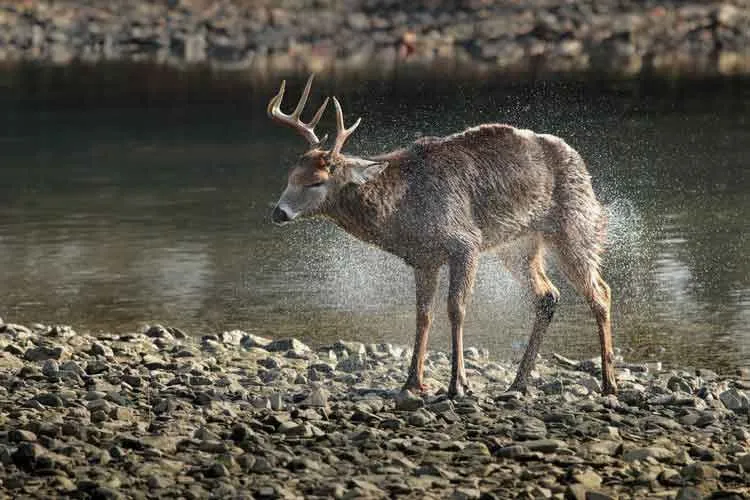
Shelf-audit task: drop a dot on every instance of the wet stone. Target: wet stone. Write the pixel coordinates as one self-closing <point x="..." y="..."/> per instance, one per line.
<point x="42" y="353"/>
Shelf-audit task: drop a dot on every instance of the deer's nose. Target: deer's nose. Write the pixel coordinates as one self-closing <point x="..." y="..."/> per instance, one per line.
<point x="279" y="215"/>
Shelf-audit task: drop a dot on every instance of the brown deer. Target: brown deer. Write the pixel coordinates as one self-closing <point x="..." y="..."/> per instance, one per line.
<point x="444" y="201"/>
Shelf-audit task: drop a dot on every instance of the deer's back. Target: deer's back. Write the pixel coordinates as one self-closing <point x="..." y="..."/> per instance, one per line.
<point x="492" y="183"/>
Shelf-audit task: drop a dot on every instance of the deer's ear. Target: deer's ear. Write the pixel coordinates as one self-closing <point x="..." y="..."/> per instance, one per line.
<point x="362" y="170"/>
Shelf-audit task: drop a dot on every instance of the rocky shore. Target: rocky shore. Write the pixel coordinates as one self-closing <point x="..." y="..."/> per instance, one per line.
<point x="235" y="415"/>
<point x="384" y="37"/>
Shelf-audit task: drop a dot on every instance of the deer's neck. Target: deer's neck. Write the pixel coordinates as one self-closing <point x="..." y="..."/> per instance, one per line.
<point x="367" y="210"/>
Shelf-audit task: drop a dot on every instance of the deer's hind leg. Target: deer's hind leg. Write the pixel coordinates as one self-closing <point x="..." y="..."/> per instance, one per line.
<point x="579" y="259"/>
<point x="462" y="271"/>
<point x="525" y="261"/>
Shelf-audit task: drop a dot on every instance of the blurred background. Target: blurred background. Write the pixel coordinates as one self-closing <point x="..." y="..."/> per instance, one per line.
<point x="139" y="168"/>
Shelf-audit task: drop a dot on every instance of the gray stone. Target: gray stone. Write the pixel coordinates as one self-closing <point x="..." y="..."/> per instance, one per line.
<point x="51" y="368"/>
<point x="463" y="493"/>
<point x="350" y="348"/>
<point x="283" y="345"/>
<point x="588" y="478"/>
<point x="317" y="398"/>
<point x="676" y="383"/>
<point x="514" y="451"/>
<point x="45" y="352"/>
<point x="352" y="364"/>
<point x="735" y="400"/>
<point x="698" y="472"/>
<point x="233" y="337"/>
<point x="250" y="341"/>
<point x="544" y="445"/>
<point x="689" y="493"/>
<point x="294" y="429"/>
<point x="407" y="401"/>
<point x="420" y="418"/>
<point x="50" y="400"/>
<point x="20" y="435"/>
<point x="277" y="401"/>
<point x="100" y="349"/>
<point x="647" y="452"/>
<point x="609" y="448"/>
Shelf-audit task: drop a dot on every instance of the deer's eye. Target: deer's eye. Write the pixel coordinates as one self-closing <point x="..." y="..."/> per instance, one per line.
<point x="315" y="184"/>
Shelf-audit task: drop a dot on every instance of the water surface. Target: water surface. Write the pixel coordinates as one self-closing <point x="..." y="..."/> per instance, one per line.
<point x="115" y="217"/>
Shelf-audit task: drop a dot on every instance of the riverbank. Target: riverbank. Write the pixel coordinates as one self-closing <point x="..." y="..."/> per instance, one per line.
<point x="234" y="415"/>
<point x="383" y="38"/>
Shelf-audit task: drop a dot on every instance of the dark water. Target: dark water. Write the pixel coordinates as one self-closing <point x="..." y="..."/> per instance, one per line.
<point x="111" y="218"/>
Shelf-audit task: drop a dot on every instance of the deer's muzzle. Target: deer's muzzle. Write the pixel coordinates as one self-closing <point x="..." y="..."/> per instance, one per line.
<point x="280" y="216"/>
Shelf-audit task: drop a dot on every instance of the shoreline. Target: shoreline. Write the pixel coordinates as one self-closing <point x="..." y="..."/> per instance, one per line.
<point x="235" y="414"/>
<point x="382" y="38"/>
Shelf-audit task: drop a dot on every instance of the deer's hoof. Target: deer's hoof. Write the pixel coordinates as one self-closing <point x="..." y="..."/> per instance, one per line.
<point x="457" y="390"/>
<point x="415" y="387"/>
<point x="518" y="387"/>
<point x="609" y="387"/>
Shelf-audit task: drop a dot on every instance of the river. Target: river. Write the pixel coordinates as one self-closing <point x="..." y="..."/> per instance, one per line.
<point x="116" y="216"/>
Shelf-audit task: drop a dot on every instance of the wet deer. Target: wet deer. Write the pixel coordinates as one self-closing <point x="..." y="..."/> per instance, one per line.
<point x="445" y="200"/>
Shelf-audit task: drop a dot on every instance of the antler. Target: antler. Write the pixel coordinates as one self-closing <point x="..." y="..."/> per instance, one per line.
<point x="342" y="134"/>
<point x="306" y="130"/>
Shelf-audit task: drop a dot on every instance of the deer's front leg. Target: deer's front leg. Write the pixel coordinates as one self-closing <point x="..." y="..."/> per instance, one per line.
<point x="462" y="272"/>
<point x="426" y="284"/>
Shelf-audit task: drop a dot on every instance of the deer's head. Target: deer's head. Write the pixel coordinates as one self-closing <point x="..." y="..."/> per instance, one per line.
<point x="318" y="175"/>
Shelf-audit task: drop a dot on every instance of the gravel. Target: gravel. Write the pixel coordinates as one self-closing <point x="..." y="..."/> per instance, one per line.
<point x="155" y="414"/>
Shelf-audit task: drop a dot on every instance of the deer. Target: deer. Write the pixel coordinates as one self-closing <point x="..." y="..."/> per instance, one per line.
<point x="444" y="201"/>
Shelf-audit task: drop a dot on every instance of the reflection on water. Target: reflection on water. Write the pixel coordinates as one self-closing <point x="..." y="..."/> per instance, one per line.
<point x="115" y="218"/>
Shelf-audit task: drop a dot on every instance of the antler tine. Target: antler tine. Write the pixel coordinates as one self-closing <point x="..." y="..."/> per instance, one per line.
<point x="342" y="134"/>
<point x="306" y="130"/>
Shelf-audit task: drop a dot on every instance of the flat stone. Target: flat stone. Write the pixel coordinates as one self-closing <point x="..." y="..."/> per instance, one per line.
<point x="101" y="349"/>
<point x="42" y="353"/>
<point x="283" y="345"/>
<point x="689" y="493"/>
<point x="544" y="445"/>
<point x="609" y="448"/>
<point x="462" y="493"/>
<point x="648" y="452"/>
<point x="420" y="418"/>
<point x="408" y="401"/>
<point x="588" y="478"/>
<point x="250" y="340"/>
<point x="20" y="435"/>
<point x="699" y="472"/>
<point x="514" y="451"/>
<point x="318" y="398"/>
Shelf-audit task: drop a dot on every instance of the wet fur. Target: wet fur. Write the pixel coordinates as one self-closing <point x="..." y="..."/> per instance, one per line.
<point x="491" y="187"/>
